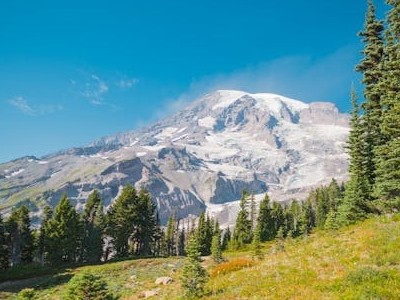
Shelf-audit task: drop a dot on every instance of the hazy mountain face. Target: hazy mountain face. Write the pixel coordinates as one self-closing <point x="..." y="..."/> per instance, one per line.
<point x="203" y="156"/>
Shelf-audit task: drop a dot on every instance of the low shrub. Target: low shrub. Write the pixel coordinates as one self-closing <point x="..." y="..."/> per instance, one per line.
<point x="231" y="266"/>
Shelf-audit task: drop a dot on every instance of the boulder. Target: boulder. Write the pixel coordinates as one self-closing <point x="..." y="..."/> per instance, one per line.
<point x="163" y="280"/>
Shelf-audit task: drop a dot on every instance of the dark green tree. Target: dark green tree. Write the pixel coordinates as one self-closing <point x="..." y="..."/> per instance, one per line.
<point x="89" y="287"/>
<point x="20" y="236"/>
<point x="4" y="250"/>
<point x="371" y="69"/>
<point x="43" y="241"/>
<point x="204" y="233"/>
<point x="216" y="249"/>
<point x="355" y="202"/>
<point x="307" y="218"/>
<point x="265" y="221"/>
<point x="242" y="233"/>
<point x="256" y="244"/>
<point x="226" y="239"/>
<point x="387" y="187"/>
<point x="194" y="276"/>
<point x="146" y="223"/>
<point x="121" y="220"/>
<point x="278" y="217"/>
<point x="94" y="224"/>
<point x="170" y="236"/>
<point x="64" y="233"/>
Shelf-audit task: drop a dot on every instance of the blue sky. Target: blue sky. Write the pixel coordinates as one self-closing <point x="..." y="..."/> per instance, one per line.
<point x="74" y="71"/>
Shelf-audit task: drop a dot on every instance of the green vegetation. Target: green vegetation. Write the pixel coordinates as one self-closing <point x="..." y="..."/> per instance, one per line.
<point x="361" y="261"/>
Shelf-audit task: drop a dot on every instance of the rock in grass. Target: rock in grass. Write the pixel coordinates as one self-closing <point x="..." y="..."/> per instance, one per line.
<point x="164" y="280"/>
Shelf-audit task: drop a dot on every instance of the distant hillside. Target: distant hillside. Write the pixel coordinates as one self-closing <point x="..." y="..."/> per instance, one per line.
<point x="358" y="262"/>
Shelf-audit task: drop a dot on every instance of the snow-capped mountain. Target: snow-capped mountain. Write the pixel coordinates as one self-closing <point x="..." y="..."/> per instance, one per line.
<point x="201" y="157"/>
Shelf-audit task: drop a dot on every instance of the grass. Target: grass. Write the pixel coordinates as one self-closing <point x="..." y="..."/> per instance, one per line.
<point x="358" y="262"/>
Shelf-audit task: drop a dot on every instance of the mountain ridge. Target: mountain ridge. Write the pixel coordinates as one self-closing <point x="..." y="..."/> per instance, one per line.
<point x="201" y="156"/>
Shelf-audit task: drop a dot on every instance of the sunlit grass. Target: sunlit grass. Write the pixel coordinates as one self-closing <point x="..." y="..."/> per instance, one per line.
<point x="358" y="262"/>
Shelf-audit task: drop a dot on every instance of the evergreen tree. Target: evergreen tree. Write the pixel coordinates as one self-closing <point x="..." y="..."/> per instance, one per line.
<point x="278" y="217"/>
<point x="194" y="276"/>
<point x="21" y="238"/>
<point x="256" y="243"/>
<point x="170" y="236"/>
<point x="226" y="239"/>
<point x="371" y="69"/>
<point x="296" y="218"/>
<point x="121" y="220"/>
<point x="387" y="159"/>
<point x="94" y="223"/>
<point x="242" y="233"/>
<point x="89" y="287"/>
<point x="4" y="250"/>
<point x="216" y="249"/>
<point x="331" y="222"/>
<point x="204" y="234"/>
<point x="307" y="218"/>
<point x="64" y="233"/>
<point x="182" y="242"/>
<point x="265" y="221"/>
<point x="43" y="242"/>
<point x="158" y="237"/>
<point x="146" y="223"/>
<point x="335" y="195"/>
<point x="355" y="202"/>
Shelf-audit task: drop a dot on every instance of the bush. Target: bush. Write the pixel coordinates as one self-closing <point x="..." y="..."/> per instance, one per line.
<point x="231" y="266"/>
<point x="26" y="294"/>
<point x="86" y="286"/>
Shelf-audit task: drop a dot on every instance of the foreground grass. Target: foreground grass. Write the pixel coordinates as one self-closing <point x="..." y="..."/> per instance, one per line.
<point x="359" y="262"/>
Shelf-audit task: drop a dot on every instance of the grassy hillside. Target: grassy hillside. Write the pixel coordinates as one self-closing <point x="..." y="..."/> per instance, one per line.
<point x="359" y="262"/>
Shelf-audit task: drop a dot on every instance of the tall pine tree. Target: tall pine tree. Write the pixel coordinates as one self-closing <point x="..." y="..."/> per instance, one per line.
<point x="64" y="233"/>
<point x="371" y="69"/>
<point x="387" y="161"/>
<point x="21" y="238"/>
<point x="4" y="250"/>
<point x="355" y="202"/>
<point x="94" y="223"/>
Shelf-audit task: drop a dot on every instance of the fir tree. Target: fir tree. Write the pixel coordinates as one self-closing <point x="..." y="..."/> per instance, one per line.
<point x="204" y="234"/>
<point x="307" y="218"/>
<point x="43" y="242"/>
<point x="278" y="217"/>
<point x="355" y="202"/>
<point x="242" y="233"/>
<point x="182" y="242"/>
<point x="94" y="222"/>
<point x="371" y="69"/>
<point x="216" y="249"/>
<point x="121" y="220"/>
<point x="226" y="239"/>
<point x="64" y="233"/>
<point x="21" y="238"/>
<point x="4" y="250"/>
<point x="194" y="276"/>
<point x="265" y="221"/>
<point x="387" y="159"/>
<point x="146" y="223"/>
<point x="89" y="287"/>
<point x="256" y="243"/>
<point x="170" y="236"/>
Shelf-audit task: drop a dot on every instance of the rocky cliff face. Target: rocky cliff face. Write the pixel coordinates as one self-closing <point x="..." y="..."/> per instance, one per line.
<point x="202" y="157"/>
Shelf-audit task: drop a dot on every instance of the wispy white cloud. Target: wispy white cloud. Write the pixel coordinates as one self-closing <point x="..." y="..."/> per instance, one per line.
<point x="94" y="89"/>
<point x="302" y="77"/>
<point x="127" y="83"/>
<point x="33" y="109"/>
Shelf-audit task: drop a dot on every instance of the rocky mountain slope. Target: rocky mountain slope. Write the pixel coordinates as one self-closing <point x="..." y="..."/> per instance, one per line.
<point x="201" y="157"/>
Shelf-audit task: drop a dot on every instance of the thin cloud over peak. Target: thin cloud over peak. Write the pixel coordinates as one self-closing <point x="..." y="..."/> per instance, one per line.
<point x="30" y="109"/>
